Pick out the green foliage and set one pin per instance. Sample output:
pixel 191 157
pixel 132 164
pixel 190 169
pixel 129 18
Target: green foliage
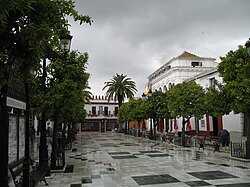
pixel 235 70
pixel 217 101
pixel 137 109
pixel 28 27
pixel 120 87
pixel 66 88
pixel 158 103
pixel 186 100
pixel 123 113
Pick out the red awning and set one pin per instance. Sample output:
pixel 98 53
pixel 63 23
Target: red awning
pixel 188 125
pixel 143 126
pixel 161 125
pixel 175 124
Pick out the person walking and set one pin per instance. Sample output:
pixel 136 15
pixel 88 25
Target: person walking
pixel 224 137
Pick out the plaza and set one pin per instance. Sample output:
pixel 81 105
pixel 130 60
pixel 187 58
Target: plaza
pixel 115 159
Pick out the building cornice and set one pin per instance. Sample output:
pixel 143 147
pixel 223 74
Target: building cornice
pixel 180 69
pixel 184 56
pixel 203 74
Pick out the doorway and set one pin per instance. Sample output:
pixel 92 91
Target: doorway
pixel 215 126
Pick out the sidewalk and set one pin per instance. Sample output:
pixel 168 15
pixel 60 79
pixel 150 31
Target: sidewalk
pixel 114 159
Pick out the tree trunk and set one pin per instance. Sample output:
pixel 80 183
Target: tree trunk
pixel 155 124
pixel 151 129
pixel 247 113
pixel 139 133
pixel 183 140
pixel 126 128
pixel 54 142
pixel 4 139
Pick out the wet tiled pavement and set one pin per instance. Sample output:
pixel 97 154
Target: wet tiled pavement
pixel 113 159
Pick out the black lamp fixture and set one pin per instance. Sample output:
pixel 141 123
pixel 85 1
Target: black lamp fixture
pixel 65 42
pixel 248 46
pixel 150 93
pixel 143 95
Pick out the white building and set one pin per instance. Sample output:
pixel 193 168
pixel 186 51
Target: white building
pixel 234 123
pixel 203 70
pixel 178 69
pixel 101 114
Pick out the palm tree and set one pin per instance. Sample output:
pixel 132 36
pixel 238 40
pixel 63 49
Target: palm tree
pixel 120 87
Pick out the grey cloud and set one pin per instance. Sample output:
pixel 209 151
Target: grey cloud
pixel 135 37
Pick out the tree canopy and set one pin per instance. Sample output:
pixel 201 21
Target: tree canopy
pixel 216 101
pixel 186 100
pixel 28 28
pixel 235 70
pixel 120 87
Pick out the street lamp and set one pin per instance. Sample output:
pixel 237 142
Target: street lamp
pixel 248 46
pixel 248 128
pixel 65 43
pixel 43 148
pixel 144 96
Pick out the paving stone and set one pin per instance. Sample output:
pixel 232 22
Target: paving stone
pixel 197 183
pixel 154 179
pixel 212 175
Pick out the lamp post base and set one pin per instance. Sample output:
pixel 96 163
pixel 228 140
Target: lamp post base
pixel 43 159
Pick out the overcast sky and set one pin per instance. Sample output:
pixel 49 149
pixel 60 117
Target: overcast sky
pixel 136 37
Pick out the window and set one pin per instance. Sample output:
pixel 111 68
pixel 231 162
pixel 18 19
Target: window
pixel 196 64
pixel 93 110
pixel 202 123
pixel 106 111
pixel 100 110
pixel 116 111
pixel 212 82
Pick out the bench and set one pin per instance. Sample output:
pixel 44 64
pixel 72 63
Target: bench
pixel 211 141
pixel 16 170
pixel 170 137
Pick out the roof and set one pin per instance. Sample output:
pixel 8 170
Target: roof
pixel 203 74
pixel 187 55
pixel 184 55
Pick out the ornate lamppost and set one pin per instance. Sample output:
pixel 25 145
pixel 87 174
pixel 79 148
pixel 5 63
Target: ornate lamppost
pixel 248 46
pixel 248 126
pixel 149 94
pixel 65 44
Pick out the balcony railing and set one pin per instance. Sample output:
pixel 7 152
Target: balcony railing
pixel 101 115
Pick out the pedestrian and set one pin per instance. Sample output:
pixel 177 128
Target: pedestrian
pixel 224 137
pixel 32 136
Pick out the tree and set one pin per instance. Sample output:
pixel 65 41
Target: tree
pixel 137 111
pixel 157 109
pixel 27 28
pixel 216 101
pixel 120 87
pixel 123 116
pixel 186 100
pixel 235 70
pixel 65 95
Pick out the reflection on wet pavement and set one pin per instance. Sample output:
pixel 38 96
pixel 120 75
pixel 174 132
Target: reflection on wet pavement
pixel 114 159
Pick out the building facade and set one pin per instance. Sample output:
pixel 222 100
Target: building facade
pixel 234 123
pixel 202 70
pixel 178 69
pixel 175 71
pixel 101 114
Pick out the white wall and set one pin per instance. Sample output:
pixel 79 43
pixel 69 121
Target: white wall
pixel 101 102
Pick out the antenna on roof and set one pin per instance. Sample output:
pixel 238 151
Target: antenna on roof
pixel 203 41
